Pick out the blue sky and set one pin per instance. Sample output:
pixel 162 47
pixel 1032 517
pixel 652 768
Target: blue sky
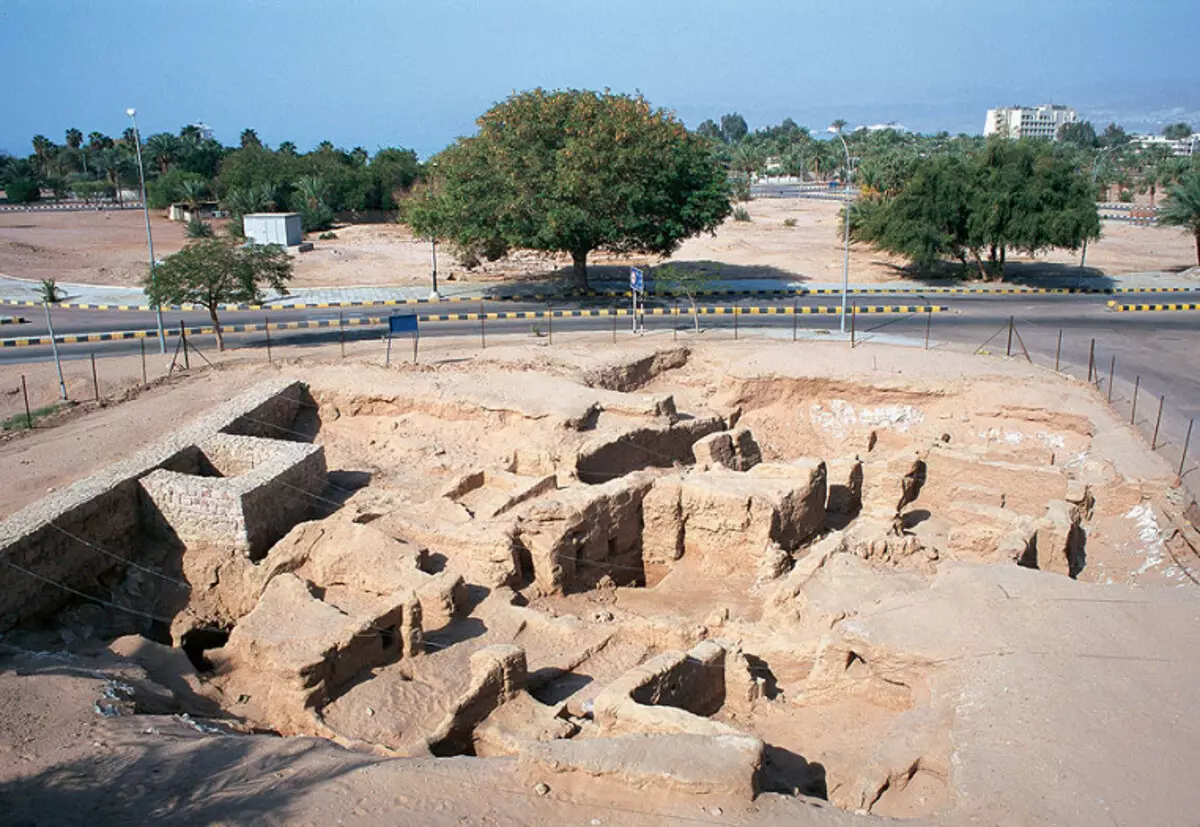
pixel 377 73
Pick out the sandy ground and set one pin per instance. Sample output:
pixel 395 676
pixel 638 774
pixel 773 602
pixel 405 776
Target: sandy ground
pixel 108 248
pixel 969 680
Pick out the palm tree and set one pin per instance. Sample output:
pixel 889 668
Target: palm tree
pixel 250 139
pixel 287 148
pixel 839 124
pixel 313 190
pixel 42 147
pixel 192 191
pixel 98 140
pixel 191 133
pixel 163 148
pixel 325 146
pixel 129 136
pixel 1182 208
pixel 74 138
pixel 114 164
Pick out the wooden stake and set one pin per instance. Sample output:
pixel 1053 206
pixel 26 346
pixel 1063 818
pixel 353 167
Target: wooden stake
pixel 1133 413
pixel 1112 369
pixel 95 381
pixel 1058 350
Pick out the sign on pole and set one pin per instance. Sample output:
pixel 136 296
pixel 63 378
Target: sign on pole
pixel 403 323
pixel 636 279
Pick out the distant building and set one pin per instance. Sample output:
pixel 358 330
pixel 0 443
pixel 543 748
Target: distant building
pixel 1029 121
pixel 204 130
pixel 1182 148
pixel 883 127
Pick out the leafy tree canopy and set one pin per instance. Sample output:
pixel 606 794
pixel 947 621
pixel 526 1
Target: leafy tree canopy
pixel 1079 133
pixel 575 171
pixel 1182 207
pixel 211 272
pixel 1177 131
pixel 1018 195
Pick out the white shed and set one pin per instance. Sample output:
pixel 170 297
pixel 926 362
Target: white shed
pixel 282 228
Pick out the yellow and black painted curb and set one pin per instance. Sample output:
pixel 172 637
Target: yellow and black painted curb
pixel 1149 308
pixel 595 294
pixel 370 321
pixel 11 320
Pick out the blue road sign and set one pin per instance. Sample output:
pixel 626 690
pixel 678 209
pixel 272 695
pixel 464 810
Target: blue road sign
pixel 636 279
pixel 402 323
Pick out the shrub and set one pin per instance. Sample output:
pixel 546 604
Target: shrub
pixel 198 229
pixel 1126 196
pixel 235 229
pixel 741 214
pixel 326 236
pixel 22 191
pixel 168 188
pixel 789 222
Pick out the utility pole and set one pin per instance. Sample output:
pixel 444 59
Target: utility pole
pixel 846 262
pixel 137 142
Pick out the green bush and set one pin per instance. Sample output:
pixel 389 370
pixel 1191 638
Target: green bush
pixel 167 189
pixel 198 229
pixel 741 214
pixel 235 229
pixel 313 218
pixel 327 236
pixel 789 222
pixel 1126 197
pixel 22 191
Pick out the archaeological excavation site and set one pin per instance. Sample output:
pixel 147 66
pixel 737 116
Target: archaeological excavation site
pixel 728 583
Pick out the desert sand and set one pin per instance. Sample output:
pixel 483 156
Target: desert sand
pixel 108 248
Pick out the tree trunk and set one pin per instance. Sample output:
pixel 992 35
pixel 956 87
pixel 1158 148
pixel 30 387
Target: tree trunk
pixel 212 314
pixel 983 273
pixel 1197 234
pixel 1001 262
pixel 579 269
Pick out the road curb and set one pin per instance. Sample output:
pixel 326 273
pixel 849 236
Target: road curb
pixel 370 321
pixel 1150 308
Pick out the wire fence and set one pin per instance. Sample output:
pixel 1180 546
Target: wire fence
pixel 1163 415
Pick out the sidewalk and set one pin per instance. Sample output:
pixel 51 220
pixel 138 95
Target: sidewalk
pixel 14 291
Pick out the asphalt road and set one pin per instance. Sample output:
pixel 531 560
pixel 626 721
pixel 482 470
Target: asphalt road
pixel 1161 348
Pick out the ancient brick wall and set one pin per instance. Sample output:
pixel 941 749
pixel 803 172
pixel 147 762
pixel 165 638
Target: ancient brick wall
pixel 65 543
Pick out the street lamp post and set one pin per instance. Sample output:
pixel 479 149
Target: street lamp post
pixel 434 296
pixel 1095 175
pixel 137 142
pixel 846 208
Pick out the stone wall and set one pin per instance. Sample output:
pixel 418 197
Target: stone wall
pixel 70 541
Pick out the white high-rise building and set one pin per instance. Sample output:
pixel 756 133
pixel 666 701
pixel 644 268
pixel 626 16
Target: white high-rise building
pixel 1029 121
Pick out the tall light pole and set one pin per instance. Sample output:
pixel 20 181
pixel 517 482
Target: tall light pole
pixel 846 208
pixel 1095 175
pixel 434 296
pixel 137 142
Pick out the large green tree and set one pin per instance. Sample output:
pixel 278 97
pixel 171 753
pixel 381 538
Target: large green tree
pixel 1012 195
pixel 1177 131
pixel 1182 207
pixel 212 272
pixel 576 171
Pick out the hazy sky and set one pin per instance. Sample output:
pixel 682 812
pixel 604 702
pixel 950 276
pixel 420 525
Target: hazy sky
pixel 390 72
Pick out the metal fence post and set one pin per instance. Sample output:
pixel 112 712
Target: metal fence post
pixel 928 324
pixel 1008 347
pixel 1133 413
pixel 187 365
pixel 1092 361
pixel 1157 422
pixel 25 393
pixel 1112 369
pixel 1058 350
pixel 95 379
pixel 1186 440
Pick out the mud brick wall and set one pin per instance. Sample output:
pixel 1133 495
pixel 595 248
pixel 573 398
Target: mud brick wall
pixel 43 566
